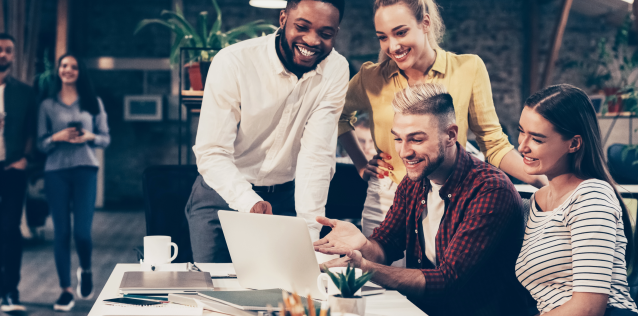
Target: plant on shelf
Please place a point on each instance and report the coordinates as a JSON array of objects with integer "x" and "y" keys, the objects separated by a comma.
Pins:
[
  {"x": 213, "y": 39},
  {"x": 614, "y": 70},
  {"x": 43, "y": 81}
]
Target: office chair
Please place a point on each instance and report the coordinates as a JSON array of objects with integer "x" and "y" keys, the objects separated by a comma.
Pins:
[
  {"x": 166, "y": 191},
  {"x": 623, "y": 171},
  {"x": 346, "y": 196}
]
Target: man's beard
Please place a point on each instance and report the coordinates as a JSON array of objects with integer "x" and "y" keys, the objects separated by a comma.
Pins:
[
  {"x": 4, "y": 67},
  {"x": 430, "y": 167},
  {"x": 289, "y": 55}
]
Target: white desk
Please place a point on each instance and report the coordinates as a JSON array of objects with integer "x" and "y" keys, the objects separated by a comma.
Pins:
[{"x": 386, "y": 304}]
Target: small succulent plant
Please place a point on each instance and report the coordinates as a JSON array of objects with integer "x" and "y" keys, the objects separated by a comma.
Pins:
[{"x": 347, "y": 282}]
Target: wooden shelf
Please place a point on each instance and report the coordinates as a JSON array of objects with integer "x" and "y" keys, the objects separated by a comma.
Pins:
[
  {"x": 192, "y": 93},
  {"x": 613, "y": 115}
]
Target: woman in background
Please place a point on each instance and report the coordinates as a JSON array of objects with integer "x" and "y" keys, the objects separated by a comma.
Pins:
[
  {"x": 409, "y": 33},
  {"x": 578, "y": 240},
  {"x": 72, "y": 123}
]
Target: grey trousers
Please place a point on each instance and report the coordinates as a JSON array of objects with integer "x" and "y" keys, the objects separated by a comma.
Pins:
[{"x": 207, "y": 238}]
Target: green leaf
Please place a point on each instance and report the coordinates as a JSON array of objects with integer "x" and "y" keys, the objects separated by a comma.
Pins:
[
  {"x": 362, "y": 280},
  {"x": 332, "y": 276},
  {"x": 175, "y": 49},
  {"x": 217, "y": 27},
  {"x": 346, "y": 292},
  {"x": 202, "y": 23},
  {"x": 184, "y": 25},
  {"x": 351, "y": 277},
  {"x": 146, "y": 22}
]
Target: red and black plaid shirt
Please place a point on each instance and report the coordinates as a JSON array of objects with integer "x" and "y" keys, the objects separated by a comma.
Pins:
[{"x": 477, "y": 243}]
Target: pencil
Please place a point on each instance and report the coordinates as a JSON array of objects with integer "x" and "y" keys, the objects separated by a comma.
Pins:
[
  {"x": 311, "y": 306},
  {"x": 324, "y": 309}
]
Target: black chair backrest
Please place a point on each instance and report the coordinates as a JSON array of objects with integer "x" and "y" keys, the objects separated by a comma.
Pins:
[
  {"x": 347, "y": 193},
  {"x": 623, "y": 171},
  {"x": 525, "y": 196},
  {"x": 166, "y": 191}
]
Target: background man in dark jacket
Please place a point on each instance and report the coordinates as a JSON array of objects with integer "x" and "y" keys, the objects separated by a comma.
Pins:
[{"x": 17, "y": 132}]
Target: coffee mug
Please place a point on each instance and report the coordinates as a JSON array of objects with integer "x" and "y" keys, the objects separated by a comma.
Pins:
[
  {"x": 157, "y": 250},
  {"x": 325, "y": 284}
]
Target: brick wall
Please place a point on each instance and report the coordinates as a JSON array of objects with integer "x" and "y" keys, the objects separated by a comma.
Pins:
[{"x": 492, "y": 29}]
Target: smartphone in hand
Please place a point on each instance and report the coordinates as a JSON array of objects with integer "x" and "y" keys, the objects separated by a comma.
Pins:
[{"x": 78, "y": 127}]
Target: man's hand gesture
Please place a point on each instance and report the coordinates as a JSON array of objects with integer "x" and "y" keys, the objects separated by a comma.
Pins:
[
  {"x": 343, "y": 238},
  {"x": 262, "y": 207}
]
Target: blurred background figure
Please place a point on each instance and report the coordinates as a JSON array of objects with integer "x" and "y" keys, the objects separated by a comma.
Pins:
[
  {"x": 71, "y": 124},
  {"x": 17, "y": 131},
  {"x": 364, "y": 137}
]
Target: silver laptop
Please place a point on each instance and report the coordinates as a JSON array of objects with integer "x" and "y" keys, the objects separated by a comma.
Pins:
[
  {"x": 270, "y": 251},
  {"x": 165, "y": 282}
]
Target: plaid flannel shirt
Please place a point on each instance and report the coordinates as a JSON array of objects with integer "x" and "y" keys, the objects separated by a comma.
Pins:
[{"x": 477, "y": 243}]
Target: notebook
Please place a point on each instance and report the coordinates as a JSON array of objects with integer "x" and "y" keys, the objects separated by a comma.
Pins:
[
  {"x": 256, "y": 300},
  {"x": 165, "y": 282},
  {"x": 156, "y": 310}
]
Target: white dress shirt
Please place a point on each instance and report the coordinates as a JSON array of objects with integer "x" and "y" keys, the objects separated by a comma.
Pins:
[{"x": 260, "y": 124}]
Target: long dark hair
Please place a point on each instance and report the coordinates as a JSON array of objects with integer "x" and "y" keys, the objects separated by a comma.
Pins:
[
  {"x": 571, "y": 112},
  {"x": 88, "y": 98}
]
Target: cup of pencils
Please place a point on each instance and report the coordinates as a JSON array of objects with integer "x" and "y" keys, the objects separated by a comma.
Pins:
[{"x": 293, "y": 305}]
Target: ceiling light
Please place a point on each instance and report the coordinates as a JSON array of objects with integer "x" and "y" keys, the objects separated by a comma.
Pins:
[
  {"x": 629, "y": 1},
  {"x": 269, "y": 4}
]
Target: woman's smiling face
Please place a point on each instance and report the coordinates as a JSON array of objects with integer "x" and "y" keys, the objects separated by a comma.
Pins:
[
  {"x": 544, "y": 150},
  {"x": 401, "y": 36}
]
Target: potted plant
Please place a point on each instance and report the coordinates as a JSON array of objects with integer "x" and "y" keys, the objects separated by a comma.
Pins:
[
  {"x": 213, "y": 40},
  {"x": 613, "y": 71},
  {"x": 348, "y": 284},
  {"x": 43, "y": 81}
]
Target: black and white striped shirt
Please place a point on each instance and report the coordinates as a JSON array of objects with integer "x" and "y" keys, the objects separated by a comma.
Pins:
[{"x": 577, "y": 247}]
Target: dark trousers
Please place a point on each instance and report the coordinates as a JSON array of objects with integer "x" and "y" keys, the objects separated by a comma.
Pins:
[
  {"x": 207, "y": 238},
  {"x": 71, "y": 190},
  {"x": 13, "y": 184}
]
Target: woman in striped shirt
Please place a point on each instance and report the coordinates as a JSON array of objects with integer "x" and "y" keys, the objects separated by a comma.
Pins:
[{"x": 578, "y": 238}]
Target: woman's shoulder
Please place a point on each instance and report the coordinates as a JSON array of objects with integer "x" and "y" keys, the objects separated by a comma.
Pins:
[
  {"x": 594, "y": 193},
  {"x": 370, "y": 68},
  {"x": 593, "y": 186},
  {"x": 374, "y": 76},
  {"x": 473, "y": 63}
]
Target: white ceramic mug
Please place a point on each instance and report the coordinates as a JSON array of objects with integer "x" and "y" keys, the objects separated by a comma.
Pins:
[
  {"x": 157, "y": 250},
  {"x": 325, "y": 284}
]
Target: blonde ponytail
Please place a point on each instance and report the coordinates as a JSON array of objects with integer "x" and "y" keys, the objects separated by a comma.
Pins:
[{"x": 419, "y": 8}]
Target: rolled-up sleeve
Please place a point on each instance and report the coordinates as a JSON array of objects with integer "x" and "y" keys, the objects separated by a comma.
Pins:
[
  {"x": 214, "y": 146},
  {"x": 316, "y": 160},
  {"x": 483, "y": 120},
  {"x": 357, "y": 101}
]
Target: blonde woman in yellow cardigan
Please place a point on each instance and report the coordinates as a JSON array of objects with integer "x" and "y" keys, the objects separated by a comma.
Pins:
[{"x": 409, "y": 32}]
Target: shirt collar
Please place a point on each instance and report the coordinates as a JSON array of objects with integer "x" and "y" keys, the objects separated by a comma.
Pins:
[
  {"x": 463, "y": 163},
  {"x": 440, "y": 64},
  {"x": 278, "y": 66}
]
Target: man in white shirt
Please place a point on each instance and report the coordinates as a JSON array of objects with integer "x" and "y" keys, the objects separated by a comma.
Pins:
[{"x": 267, "y": 137}]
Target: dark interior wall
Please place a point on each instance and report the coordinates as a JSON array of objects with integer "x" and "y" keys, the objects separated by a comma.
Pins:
[{"x": 492, "y": 29}]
